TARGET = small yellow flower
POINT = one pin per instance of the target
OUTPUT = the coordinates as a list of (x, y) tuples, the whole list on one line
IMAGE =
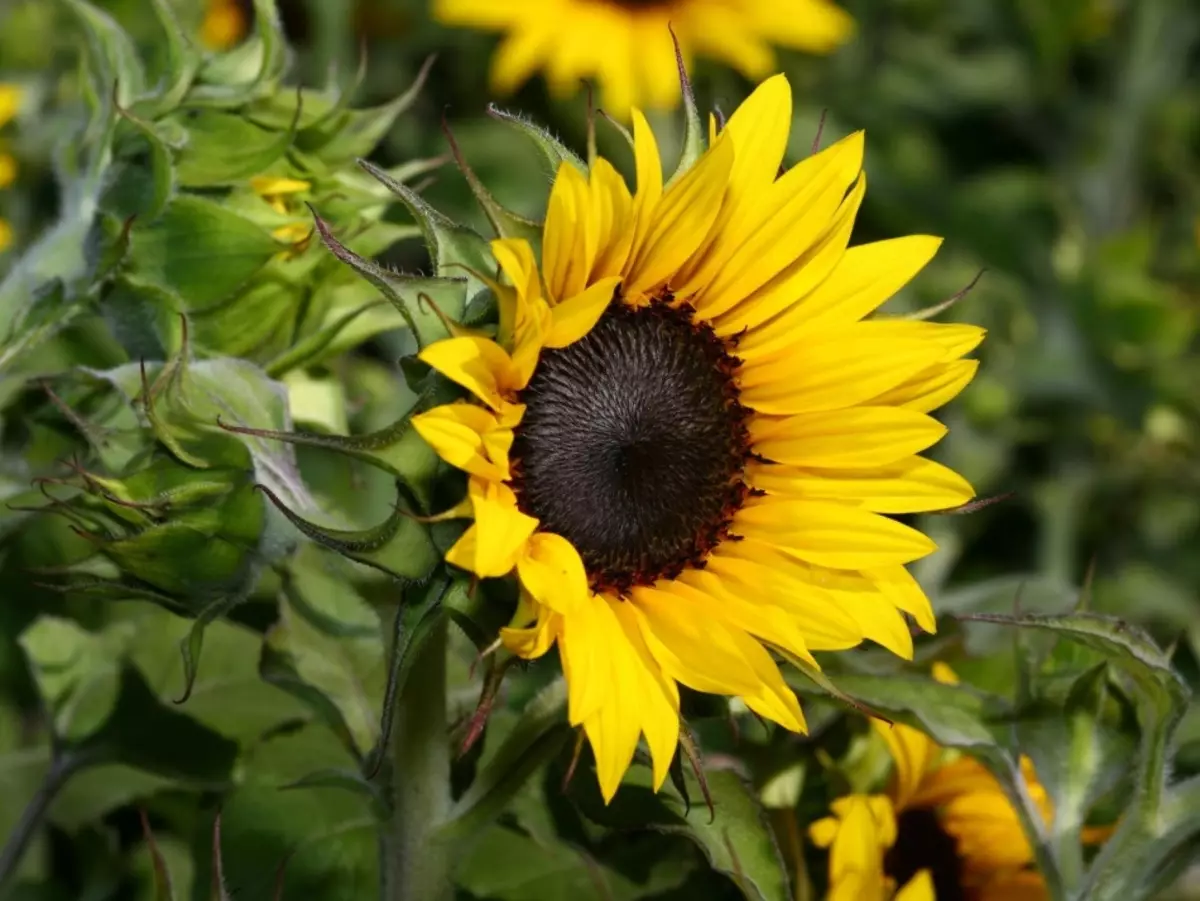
[(685, 438), (10, 102), (626, 44), (280, 194), (225, 24), (945, 828)]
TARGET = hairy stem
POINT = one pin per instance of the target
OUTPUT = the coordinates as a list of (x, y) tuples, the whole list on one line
[(416, 867)]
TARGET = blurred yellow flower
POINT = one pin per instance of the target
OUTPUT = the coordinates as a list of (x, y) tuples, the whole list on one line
[(225, 24), (10, 101), (945, 829), (626, 44)]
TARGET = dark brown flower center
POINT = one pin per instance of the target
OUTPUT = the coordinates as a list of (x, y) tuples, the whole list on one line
[(633, 444), (922, 844)]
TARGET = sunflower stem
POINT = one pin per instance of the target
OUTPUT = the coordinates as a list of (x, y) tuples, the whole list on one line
[(415, 864)]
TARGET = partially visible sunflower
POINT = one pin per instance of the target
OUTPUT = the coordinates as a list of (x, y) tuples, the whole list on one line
[(685, 437), (225, 24), (626, 44), (10, 102), (945, 829)]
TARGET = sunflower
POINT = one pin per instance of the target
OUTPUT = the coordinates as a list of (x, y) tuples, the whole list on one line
[(10, 102), (626, 44), (945, 829), (683, 436)]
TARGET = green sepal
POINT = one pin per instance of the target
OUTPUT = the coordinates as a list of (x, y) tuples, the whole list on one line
[(555, 152), (405, 292), (455, 250), (506, 223), (224, 148), (344, 135), (182, 64), (400, 546), (694, 137)]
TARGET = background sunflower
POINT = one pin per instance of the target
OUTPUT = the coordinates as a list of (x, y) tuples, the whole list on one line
[(1052, 145)]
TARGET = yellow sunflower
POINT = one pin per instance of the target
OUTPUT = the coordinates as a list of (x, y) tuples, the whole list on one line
[(10, 102), (225, 24), (626, 44), (945, 829), (685, 435)]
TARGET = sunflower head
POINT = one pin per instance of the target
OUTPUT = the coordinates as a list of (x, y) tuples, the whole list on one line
[(684, 437)]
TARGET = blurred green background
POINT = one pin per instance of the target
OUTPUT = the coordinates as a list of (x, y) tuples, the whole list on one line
[(1054, 143)]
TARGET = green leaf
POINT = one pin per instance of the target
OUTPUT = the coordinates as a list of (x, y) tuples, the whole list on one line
[(77, 672), (114, 59), (227, 695), (555, 152), (539, 734), (199, 251), (348, 672), (224, 148), (735, 839)]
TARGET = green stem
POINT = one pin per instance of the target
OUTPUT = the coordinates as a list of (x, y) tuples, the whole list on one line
[(416, 867), (31, 818)]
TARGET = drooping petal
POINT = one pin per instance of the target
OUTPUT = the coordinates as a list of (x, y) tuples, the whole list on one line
[(552, 572), (533, 641), (469, 437), (478, 364), (492, 546)]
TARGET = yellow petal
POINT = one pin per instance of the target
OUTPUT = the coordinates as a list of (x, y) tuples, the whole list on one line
[(701, 654), (535, 640), (832, 535), (657, 696), (845, 439), (584, 664), (274, 186), (800, 275), (909, 485), (649, 182), (574, 318), (681, 220), (942, 673), (467, 436), (713, 596), (491, 547), (919, 888), (569, 237), (833, 370), (759, 132), (932, 388), (478, 364), (800, 210), (516, 259), (750, 568), (864, 278), (914, 754), (898, 586), (612, 206), (552, 572)]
